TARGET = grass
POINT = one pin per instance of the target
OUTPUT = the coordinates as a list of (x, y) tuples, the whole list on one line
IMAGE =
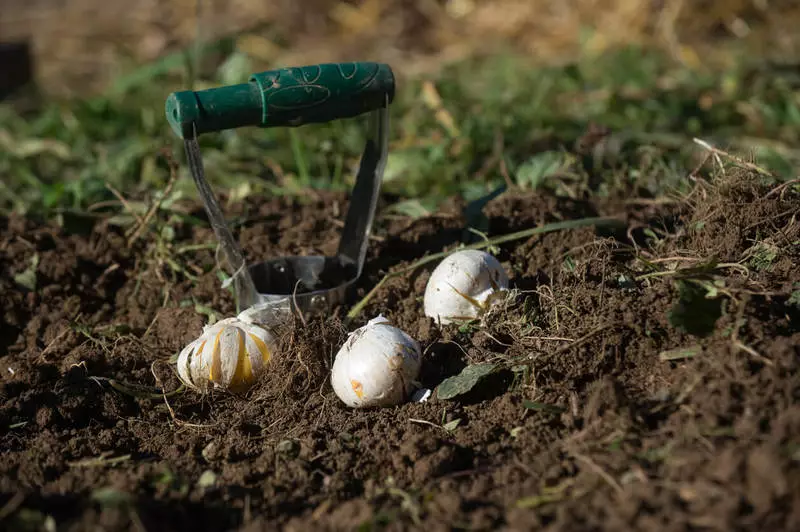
[(473, 127)]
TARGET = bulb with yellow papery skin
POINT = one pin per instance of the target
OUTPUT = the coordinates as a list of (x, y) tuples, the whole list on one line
[(231, 354), (377, 366)]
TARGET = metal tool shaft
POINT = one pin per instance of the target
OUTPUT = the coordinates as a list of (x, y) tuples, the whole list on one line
[(364, 199), (244, 287)]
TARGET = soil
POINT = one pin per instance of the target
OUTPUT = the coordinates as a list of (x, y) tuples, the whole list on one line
[(593, 422)]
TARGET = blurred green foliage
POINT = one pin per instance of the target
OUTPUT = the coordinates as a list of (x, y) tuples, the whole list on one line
[(498, 120)]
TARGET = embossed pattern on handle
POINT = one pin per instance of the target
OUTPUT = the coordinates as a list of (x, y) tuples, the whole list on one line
[(285, 97)]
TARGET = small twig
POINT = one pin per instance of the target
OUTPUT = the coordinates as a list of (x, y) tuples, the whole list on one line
[(753, 353), (461, 347), (407, 503), (124, 202), (681, 397), (629, 234), (297, 308), (552, 298), (782, 188), (551, 338), (737, 344), (712, 151), (582, 339), (137, 391), (424, 422), (498, 342), (53, 342), (112, 268), (599, 471), (99, 461), (771, 218), (681, 271), (173, 177), (675, 258), (741, 163), (169, 407), (166, 401), (696, 170)]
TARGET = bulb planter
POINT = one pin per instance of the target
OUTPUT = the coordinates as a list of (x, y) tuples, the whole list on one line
[(294, 97)]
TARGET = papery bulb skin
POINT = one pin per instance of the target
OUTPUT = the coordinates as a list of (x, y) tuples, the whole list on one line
[(460, 287), (231, 354), (377, 366)]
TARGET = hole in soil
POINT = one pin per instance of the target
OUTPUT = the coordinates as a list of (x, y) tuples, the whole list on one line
[(8, 336), (398, 248), (166, 515), (443, 360), (784, 317), (489, 388)]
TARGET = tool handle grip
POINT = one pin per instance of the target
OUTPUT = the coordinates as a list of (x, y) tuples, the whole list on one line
[(285, 97)]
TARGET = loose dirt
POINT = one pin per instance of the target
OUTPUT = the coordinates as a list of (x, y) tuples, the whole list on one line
[(607, 415)]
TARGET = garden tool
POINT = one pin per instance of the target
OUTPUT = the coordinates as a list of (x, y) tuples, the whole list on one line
[(292, 97)]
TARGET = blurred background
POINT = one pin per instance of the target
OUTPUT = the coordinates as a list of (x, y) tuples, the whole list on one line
[(81, 46), (490, 93)]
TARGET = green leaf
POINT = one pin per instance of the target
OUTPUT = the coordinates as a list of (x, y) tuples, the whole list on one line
[(27, 278), (764, 255), (451, 425), (538, 168), (110, 497), (467, 328), (543, 407), (535, 501), (413, 208), (694, 312), (209, 312), (680, 353), (207, 479), (569, 264), (794, 299), (464, 381)]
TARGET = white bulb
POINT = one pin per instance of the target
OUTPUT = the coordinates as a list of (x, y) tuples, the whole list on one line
[(377, 366), (231, 354), (460, 286)]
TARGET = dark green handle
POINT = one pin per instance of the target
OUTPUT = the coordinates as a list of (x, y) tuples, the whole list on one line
[(286, 97)]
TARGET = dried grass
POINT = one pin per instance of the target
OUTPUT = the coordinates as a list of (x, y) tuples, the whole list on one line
[(78, 43)]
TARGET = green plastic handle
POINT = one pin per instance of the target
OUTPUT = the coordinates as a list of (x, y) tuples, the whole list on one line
[(286, 97)]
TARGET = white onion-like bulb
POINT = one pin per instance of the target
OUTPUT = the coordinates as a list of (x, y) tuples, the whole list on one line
[(461, 285), (377, 366), (231, 354)]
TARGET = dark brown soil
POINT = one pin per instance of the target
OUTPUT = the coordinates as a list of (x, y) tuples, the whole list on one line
[(624, 441)]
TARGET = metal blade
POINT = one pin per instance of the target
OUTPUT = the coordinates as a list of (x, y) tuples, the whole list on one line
[(364, 199), (244, 287)]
